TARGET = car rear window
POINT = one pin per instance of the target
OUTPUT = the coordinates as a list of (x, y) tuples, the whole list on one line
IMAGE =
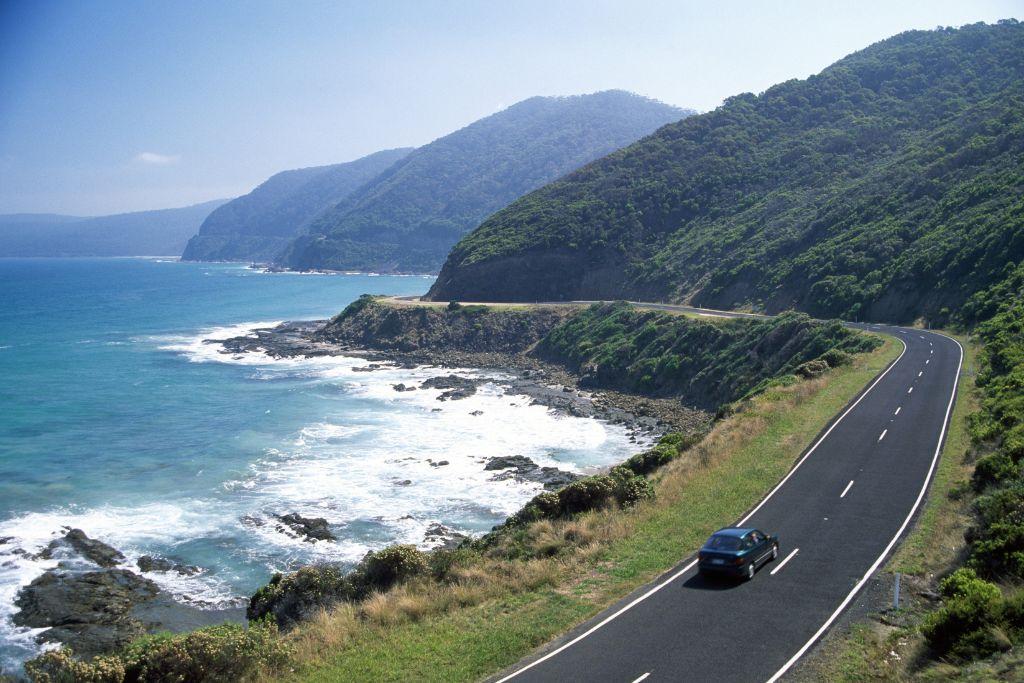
[(723, 543)]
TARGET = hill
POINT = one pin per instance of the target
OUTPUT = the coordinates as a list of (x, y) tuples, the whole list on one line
[(409, 217), (143, 233), (887, 187), (257, 226)]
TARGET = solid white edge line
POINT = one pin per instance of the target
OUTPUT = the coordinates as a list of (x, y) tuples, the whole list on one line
[(783, 563), (644, 677), (871, 570), (847, 489), (688, 567)]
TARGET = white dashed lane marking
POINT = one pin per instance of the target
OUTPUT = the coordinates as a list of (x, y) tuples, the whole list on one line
[(783, 563), (846, 490), (882, 436)]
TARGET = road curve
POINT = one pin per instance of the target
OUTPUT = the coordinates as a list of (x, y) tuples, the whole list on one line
[(839, 513)]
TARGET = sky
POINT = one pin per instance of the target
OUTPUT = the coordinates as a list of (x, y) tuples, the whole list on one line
[(115, 106)]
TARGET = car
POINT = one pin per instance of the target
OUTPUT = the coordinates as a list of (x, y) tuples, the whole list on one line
[(737, 551)]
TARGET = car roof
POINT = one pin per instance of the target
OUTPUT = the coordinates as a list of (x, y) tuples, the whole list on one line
[(734, 531)]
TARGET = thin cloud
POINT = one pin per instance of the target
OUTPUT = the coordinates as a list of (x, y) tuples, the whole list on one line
[(154, 159)]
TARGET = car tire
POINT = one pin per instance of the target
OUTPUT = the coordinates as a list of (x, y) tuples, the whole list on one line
[(750, 571), (775, 551)]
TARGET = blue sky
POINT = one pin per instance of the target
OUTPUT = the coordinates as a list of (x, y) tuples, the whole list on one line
[(119, 106)]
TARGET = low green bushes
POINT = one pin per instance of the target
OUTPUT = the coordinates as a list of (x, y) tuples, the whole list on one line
[(289, 598), (976, 620), (216, 654), (667, 450), (972, 621), (621, 486)]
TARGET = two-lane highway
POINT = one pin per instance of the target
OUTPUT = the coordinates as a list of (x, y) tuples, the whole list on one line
[(839, 513)]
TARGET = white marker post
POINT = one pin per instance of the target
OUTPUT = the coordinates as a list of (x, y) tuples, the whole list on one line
[(896, 592)]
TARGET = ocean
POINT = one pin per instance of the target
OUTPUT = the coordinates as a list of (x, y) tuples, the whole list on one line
[(118, 418)]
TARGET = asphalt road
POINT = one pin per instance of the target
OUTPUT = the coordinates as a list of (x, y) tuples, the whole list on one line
[(838, 513)]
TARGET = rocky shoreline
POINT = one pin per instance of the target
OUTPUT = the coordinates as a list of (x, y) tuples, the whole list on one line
[(544, 383), (92, 602)]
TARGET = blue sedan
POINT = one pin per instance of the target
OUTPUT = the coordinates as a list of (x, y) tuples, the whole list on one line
[(736, 551)]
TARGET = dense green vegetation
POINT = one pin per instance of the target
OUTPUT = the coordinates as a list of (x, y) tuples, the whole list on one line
[(409, 217), (142, 233), (258, 226), (978, 618), (887, 187), (218, 654), (706, 362)]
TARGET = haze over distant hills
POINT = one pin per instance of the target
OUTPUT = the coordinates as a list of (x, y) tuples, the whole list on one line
[(162, 232), (889, 186), (410, 216), (257, 226)]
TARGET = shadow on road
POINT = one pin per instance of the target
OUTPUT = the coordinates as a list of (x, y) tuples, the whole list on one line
[(703, 582)]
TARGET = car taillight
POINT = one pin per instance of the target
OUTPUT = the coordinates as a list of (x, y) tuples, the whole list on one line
[(738, 560)]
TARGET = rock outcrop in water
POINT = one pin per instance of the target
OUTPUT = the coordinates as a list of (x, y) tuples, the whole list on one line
[(94, 606), (91, 611), (522, 468), (312, 529)]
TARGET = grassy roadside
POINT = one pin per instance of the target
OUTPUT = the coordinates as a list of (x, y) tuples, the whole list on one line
[(889, 647), (598, 558)]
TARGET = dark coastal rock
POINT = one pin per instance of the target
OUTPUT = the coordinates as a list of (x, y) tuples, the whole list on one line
[(522, 468), (439, 463), (455, 387), (440, 536), (477, 413), (402, 387), (148, 563), (503, 462), (404, 482), (91, 611), (286, 340), (312, 528), (76, 541)]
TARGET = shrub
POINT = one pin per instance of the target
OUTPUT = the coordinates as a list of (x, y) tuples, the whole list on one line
[(60, 666), (669, 447), (963, 628), (384, 568), (586, 494), (836, 358), (225, 653), (999, 551), (992, 469), (812, 369), (630, 488), (296, 596)]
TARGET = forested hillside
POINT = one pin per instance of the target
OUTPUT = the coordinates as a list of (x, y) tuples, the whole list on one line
[(257, 226), (887, 187), (409, 218), (162, 232)]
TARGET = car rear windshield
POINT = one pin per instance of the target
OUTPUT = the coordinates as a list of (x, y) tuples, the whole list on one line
[(723, 543)]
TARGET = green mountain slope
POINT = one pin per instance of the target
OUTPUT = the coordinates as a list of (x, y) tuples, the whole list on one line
[(257, 226), (162, 232), (409, 218), (886, 187)]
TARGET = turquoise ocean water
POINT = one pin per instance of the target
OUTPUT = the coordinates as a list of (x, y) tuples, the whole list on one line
[(116, 417)]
